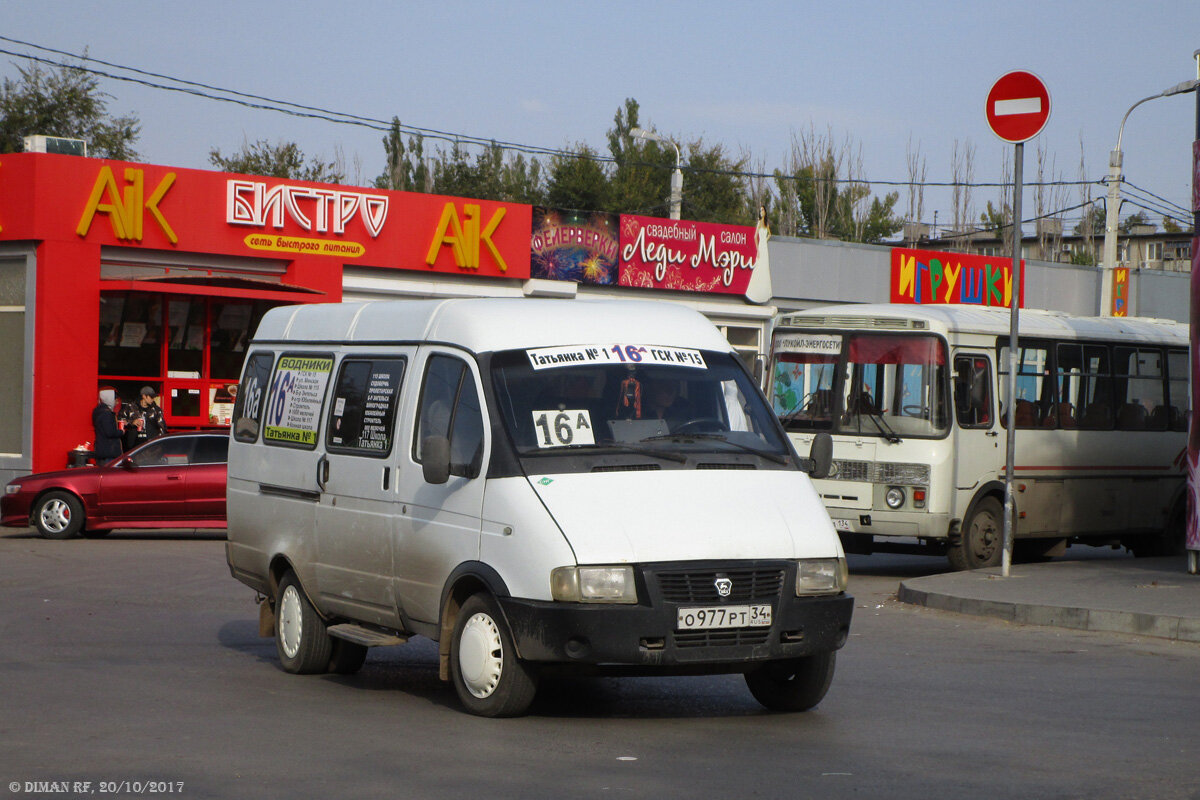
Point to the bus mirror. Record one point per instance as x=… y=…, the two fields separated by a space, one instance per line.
x=435 y=459
x=820 y=456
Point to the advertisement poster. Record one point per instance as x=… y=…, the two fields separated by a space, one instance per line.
x=294 y=410
x=579 y=246
x=688 y=256
x=933 y=277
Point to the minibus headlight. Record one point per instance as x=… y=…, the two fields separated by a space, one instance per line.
x=593 y=584
x=894 y=497
x=821 y=576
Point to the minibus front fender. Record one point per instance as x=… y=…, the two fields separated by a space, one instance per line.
x=466 y=579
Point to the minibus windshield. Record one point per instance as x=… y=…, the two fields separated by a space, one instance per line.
x=634 y=399
x=885 y=385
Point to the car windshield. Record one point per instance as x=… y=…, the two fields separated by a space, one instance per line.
x=885 y=385
x=667 y=402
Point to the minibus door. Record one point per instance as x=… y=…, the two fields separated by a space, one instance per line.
x=443 y=518
x=356 y=514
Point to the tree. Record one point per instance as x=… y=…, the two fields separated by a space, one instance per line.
x=491 y=176
x=577 y=181
x=282 y=160
x=1092 y=223
x=640 y=181
x=1135 y=220
x=406 y=168
x=713 y=188
x=63 y=102
x=1171 y=226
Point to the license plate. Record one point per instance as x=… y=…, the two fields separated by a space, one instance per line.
x=843 y=525
x=702 y=618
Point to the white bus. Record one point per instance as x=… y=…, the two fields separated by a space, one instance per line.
x=913 y=396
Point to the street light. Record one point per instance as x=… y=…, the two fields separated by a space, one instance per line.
x=676 y=176
x=1114 y=198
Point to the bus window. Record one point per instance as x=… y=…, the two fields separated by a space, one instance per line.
x=1084 y=388
x=802 y=389
x=1139 y=384
x=973 y=391
x=1035 y=395
x=1177 y=390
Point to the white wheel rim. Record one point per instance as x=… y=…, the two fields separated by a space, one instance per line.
x=480 y=655
x=290 y=621
x=55 y=516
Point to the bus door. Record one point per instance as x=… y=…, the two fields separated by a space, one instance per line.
x=977 y=446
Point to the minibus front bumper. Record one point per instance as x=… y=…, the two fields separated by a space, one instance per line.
x=645 y=637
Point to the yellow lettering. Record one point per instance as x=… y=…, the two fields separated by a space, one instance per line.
x=494 y=223
x=443 y=236
x=1008 y=283
x=152 y=206
x=125 y=209
x=951 y=274
x=908 y=275
x=105 y=185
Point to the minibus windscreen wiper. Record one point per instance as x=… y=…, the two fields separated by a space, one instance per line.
x=888 y=434
x=719 y=437
x=608 y=447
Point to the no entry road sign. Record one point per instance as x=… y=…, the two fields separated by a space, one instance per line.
x=1018 y=106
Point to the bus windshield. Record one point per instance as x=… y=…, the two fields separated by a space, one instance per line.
x=868 y=384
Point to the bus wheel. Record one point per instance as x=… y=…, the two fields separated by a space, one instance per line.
x=489 y=678
x=982 y=541
x=796 y=684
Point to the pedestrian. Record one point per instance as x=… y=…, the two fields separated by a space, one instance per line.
x=143 y=420
x=104 y=422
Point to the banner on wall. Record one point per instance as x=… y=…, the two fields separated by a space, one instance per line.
x=579 y=246
x=933 y=277
x=689 y=256
x=143 y=205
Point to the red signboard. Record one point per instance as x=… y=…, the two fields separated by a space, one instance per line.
x=933 y=277
x=686 y=256
x=196 y=211
x=1018 y=106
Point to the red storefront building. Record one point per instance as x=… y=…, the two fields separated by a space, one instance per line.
x=134 y=274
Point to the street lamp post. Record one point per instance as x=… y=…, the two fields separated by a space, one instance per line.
x=676 y=176
x=1112 y=210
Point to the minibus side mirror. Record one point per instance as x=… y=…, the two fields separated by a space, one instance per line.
x=435 y=459
x=821 y=455
x=760 y=369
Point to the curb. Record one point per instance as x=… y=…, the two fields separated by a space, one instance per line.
x=1163 y=626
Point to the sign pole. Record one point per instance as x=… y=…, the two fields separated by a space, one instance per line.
x=1010 y=522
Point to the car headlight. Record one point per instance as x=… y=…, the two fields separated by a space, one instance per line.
x=821 y=576
x=12 y=488
x=894 y=497
x=593 y=584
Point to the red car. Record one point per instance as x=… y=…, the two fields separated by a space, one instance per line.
x=175 y=481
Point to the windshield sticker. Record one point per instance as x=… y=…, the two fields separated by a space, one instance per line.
x=808 y=343
x=561 y=428
x=294 y=410
x=549 y=357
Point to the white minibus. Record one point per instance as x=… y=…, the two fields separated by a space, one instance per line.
x=913 y=397
x=536 y=485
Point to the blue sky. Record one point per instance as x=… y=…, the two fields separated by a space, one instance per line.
x=748 y=75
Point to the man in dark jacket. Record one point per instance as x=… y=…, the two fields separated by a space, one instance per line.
x=108 y=437
x=143 y=420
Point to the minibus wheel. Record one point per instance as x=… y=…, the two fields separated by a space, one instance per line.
x=982 y=541
x=795 y=684
x=489 y=678
x=303 y=644
x=58 y=515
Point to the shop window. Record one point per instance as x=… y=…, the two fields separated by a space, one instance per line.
x=189 y=349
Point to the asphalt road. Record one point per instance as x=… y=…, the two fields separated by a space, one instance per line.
x=136 y=658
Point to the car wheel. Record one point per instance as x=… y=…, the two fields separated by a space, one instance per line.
x=303 y=644
x=346 y=657
x=58 y=515
x=489 y=678
x=796 y=684
x=982 y=541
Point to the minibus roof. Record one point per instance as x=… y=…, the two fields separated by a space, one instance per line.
x=989 y=320
x=492 y=324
